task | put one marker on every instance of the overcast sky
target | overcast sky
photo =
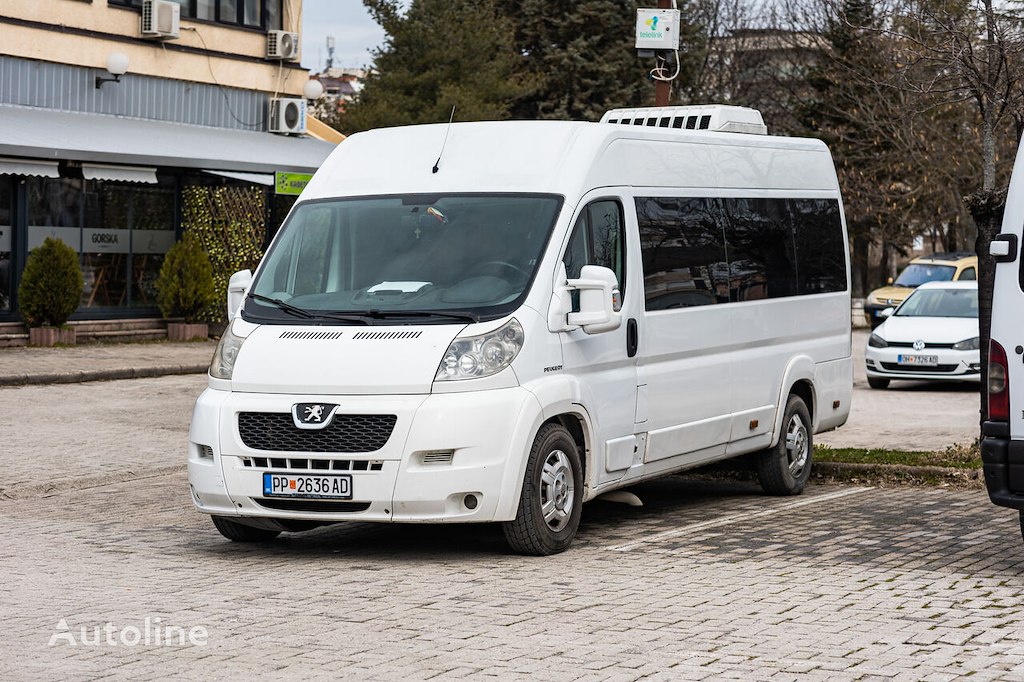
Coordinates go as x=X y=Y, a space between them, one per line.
x=355 y=33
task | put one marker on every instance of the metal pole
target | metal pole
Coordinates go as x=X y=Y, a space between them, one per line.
x=662 y=89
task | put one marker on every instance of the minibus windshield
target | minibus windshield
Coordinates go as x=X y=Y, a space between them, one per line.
x=409 y=259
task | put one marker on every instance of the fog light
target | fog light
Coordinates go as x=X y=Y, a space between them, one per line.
x=974 y=366
x=470 y=501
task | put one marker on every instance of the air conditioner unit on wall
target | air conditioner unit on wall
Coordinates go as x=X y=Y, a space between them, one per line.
x=288 y=115
x=160 y=19
x=282 y=45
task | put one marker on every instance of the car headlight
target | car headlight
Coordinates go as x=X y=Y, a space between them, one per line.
x=968 y=344
x=876 y=341
x=474 y=357
x=872 y=298
x=227 y=352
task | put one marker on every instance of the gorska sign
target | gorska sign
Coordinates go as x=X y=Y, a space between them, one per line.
x=290 y=183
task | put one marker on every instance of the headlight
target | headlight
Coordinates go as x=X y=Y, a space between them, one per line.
x=224 y=357
x=876 y=341
x=968 y=344
x=473 y=357
x=872 y=298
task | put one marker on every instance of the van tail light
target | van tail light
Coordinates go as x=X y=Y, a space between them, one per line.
x=998 y=384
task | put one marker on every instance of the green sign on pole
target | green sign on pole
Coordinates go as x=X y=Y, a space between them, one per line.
x=290 y=183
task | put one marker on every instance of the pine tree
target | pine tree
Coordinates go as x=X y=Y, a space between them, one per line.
x=438 y=54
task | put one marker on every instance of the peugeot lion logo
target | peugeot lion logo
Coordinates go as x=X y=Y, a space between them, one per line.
x=313 y=415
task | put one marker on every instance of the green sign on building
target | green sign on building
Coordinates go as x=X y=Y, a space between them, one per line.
x=290 y=183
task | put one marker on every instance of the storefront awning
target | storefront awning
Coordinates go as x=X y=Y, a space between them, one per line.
x=91 y=171
x=46 y=169
x=254 y=178
x=43 y=134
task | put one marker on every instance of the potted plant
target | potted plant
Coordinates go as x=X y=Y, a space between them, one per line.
x=50 y=291
x=185 y=289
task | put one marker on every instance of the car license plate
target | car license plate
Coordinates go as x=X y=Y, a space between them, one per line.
x=335 y=486
x=918 y=360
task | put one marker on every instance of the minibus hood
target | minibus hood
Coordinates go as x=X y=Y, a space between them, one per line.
x=342 y=360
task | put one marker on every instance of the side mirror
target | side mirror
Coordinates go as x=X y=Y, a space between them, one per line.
x=887 y=313
x=1003 y=248
x=599 y=300
x=238 y=285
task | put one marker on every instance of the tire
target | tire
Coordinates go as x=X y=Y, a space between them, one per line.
x=551 y=501
x=239 y=532
x=785 y=468
x=878 y=383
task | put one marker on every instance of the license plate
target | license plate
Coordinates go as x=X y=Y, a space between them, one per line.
x=918 y=360
x=334 y=486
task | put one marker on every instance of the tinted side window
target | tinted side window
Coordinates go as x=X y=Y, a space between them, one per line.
x=598 y=239
x=820 y=249
x=968 y=274
x=762 y=255
x=683 y=251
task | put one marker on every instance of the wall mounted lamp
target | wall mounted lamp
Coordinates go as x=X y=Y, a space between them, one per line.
x=313 y=89
x=117 y=65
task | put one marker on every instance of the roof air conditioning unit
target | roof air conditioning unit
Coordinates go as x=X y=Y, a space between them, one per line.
x=160 y=19
x=282 y=45
x=288 y=115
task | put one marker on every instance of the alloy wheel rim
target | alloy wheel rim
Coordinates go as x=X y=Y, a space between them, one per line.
x=797 y=446
x=557 y=490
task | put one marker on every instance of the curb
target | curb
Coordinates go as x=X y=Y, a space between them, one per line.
x=101 y=375
x=901 y=471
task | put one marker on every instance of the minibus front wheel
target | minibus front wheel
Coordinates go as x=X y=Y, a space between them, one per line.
x=785 y=468
x=551 y=500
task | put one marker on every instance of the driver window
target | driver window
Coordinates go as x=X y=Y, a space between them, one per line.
x=598 y=239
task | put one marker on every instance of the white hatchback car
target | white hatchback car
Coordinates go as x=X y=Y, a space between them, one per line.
x=933 y=335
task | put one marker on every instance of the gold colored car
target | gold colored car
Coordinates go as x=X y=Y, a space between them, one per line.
x=938 y=267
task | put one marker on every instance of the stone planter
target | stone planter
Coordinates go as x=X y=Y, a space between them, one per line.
x=51 y=336
x=184 y=331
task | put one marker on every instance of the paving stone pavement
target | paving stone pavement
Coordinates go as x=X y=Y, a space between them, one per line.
x=706 y=581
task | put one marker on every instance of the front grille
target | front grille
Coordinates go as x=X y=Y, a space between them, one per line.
x=910 y=344
x=346 y=432
x=304 y=464
x=894 y=367
x=320 y=506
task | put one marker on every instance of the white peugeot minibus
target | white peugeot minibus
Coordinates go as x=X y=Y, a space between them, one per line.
x=1002 y=445
x=499 y=321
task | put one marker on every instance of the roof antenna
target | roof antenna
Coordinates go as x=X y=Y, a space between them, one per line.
x=437 y=164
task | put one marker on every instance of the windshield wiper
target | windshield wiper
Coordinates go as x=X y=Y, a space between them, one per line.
x=309 y=314
x=384 y=314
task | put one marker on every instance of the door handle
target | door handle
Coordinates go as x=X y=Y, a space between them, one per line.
x=632 y=337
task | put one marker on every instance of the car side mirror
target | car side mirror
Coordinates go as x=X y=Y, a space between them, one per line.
x=887 y=312
x=599 y=300
x=238 y=285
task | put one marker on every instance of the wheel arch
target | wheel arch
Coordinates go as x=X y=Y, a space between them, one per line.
x=798 y=380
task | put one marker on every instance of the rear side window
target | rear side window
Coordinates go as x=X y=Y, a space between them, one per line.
x=698 y=251
x=968 y=274
x=683 y=252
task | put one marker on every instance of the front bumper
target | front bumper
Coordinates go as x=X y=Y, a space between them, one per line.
x=1003 y=461
x=443 y=448
x=953 y=365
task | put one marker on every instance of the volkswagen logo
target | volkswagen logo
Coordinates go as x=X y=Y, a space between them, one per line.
x=919 y=345
x=313 y=415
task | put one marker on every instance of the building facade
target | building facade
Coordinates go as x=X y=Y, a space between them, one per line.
x=112 y=162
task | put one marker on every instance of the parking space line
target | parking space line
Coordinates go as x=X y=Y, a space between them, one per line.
x=726 y=520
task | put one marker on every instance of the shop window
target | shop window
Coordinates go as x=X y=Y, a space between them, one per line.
x=6 y=228
x=120 y=230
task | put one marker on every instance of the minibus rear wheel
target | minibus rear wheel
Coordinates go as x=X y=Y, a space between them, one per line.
x=785 y=468
x=239 y=532
x=552 y=497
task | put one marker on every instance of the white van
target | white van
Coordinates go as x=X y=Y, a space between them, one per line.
x=1002 y=445
x=499 y=321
